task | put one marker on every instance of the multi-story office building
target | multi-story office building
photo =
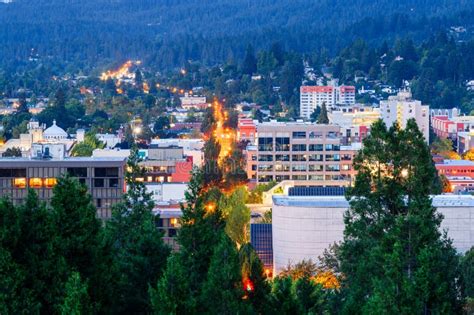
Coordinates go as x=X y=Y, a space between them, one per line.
x=402 y=107
x=302 y=151
x=314 y=96
x=104 y=178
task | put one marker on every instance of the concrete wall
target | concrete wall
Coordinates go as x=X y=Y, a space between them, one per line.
x=304 y=226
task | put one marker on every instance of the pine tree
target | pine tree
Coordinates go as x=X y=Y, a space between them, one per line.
x=252 y=270
x=179 y=289
x=393 y=257
x=223 y=289
x=323 y=115
x=80 y=240
x=138 y=248
x=76 y=300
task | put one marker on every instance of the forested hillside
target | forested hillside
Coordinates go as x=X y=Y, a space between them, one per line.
x=166 y=33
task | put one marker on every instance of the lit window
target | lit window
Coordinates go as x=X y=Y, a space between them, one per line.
x=50 y=182
x=36 y=182
x=19 y=182
x=173 y=222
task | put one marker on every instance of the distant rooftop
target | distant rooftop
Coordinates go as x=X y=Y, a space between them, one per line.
x=341 y=202
x=457 y=163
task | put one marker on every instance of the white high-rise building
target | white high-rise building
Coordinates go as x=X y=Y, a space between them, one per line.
x=402 y=107
x=314 y=96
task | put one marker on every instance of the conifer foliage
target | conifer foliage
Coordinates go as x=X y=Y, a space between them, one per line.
x=393 y=257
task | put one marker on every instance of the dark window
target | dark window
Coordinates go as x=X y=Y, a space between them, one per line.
x=299 y=135
x=113 y=182
x=299 y=147
x=99 y=182
x=299 y=157
x=106 y=172
x=82 y=181
x=282 y=144
x=99 y=203
x=77 y=171
x=19 y=172
x=315 y=147
x=172 y=232
x=265 y=144
x=13 y=172
x=279 y=157
x=265 y=158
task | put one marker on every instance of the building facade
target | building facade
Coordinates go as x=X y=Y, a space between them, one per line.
x=402 y=107
x=456 y=168
x=104 y=177
x=301 y=152
x=312 y=97
x=304 y=226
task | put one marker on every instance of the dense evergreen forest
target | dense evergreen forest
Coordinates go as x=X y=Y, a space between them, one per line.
x=166 y=33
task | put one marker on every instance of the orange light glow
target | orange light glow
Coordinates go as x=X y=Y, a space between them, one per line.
x=19 y=182
x=36 y=182
x=248 y=285
x=225 y=136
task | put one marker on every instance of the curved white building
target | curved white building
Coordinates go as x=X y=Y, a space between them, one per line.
x=304 y=226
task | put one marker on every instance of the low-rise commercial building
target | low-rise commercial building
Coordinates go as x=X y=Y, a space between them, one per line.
x=104 y=177
x=456 y=168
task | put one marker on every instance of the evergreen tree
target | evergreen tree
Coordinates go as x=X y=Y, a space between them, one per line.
x=323 y=115
x=179 y=289
x=252 y=270
x=249 y=66
x=76 y=300
x=315 y=114
x=393 y=257
x=467 y=271
x=22 y=104
x=223 y=289
x=282 y=298
x=212 y=175
x=35 y=271
x=137 y=245
x=81 y=242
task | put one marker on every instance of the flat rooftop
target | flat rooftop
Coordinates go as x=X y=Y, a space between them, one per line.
x=457 y=163
x=341 y=202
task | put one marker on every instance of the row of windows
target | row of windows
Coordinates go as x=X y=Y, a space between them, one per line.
x=304 y=157
x=71 y=171
x=269 y=178
x=36 y=182
x=303 y=168
x=267 y=147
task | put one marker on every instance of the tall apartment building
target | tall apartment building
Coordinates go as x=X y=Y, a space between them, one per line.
x=314 y=96
x=104 y=178
x=302 y=152
x=402 y=107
